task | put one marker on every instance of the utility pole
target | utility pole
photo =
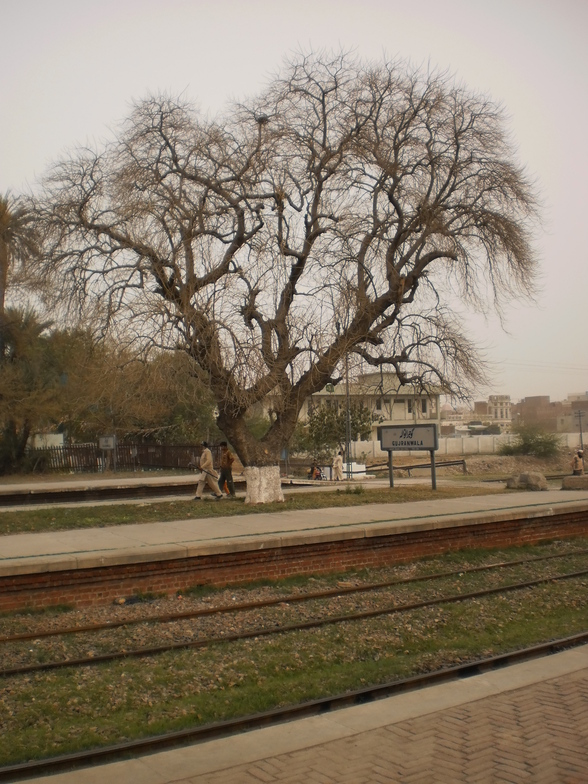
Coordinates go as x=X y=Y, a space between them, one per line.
x=579 y=416
x=347 y=419
x=347 y=407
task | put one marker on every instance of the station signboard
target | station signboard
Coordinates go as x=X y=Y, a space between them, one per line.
x=399 y=438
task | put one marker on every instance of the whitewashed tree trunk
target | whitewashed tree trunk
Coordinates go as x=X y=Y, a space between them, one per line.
x=263 y=484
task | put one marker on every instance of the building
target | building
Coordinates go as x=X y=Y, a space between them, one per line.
x=453 y=419
x=494 y=414
x=389 y=402
x=499 y=411
x=494 y=411
x=567 y=416
x=538 y=411
x=573 y=418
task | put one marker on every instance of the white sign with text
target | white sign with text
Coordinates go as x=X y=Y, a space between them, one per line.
x=396 y=438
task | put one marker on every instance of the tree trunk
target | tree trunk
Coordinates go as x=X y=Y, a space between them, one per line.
x=3 y=273
x=263 y=484
x=260 y=461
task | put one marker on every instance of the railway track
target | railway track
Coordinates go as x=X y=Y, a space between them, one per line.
x=289 y=599
x=355 y=605
x=273 y=625
x=13 y=773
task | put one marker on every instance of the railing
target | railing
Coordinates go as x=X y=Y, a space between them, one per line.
x=408 y=468
x=82 y=458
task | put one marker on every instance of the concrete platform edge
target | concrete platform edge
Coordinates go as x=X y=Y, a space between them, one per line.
x=183 y=547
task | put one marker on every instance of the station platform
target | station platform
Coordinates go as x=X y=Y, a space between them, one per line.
x=29 y=553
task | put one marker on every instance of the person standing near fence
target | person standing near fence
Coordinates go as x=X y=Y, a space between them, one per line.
x=338 y=467
x=226 y=469
x=208 y=474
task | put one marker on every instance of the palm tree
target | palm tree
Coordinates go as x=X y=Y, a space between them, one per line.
x=29 y=382
x=18 y=240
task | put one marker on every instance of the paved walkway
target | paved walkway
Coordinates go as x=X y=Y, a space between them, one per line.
x=525 y=723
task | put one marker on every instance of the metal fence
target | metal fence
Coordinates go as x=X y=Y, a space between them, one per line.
x=82 y=458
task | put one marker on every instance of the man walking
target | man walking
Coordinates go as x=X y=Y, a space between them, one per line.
x=226 y=469
x=208 y=474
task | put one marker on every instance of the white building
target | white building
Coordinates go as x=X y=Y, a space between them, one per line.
x=388 y=401
x=495 y=411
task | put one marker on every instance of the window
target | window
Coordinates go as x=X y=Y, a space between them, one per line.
x=424 y=406
x=409 y=406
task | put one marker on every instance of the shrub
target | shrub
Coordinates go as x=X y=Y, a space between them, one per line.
x=534 y=442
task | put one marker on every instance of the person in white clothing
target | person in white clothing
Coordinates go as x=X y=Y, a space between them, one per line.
x=338 y=467
x=208 y=475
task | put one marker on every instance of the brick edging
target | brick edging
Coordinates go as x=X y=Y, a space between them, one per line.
x=102 y=585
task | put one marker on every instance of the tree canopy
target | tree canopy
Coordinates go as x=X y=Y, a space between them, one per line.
x=64 y=380
x=344 y=210
x=326 y=430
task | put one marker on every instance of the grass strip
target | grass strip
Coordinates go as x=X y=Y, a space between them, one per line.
x=103 y=515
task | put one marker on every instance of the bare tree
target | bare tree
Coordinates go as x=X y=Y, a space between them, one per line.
x=344 y=211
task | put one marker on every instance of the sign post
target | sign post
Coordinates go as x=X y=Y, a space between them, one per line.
x=409 y=438
x=108 y=444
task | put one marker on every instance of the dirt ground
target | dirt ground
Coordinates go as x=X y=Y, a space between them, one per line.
x=497 y=465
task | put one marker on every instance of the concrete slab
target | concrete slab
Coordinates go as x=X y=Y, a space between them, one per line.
x=42 y=563
x=86 y=483
x=575 y=482
x=128 y=772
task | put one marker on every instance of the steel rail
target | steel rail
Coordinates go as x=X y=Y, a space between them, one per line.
x=288 y=599
x=264 y=631
x=223 y=729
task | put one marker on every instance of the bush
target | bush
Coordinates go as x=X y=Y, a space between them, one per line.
x=534 y=442
x=14 y=461
x=325 y=430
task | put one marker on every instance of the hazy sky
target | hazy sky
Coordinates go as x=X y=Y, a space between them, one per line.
x=71 y=69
